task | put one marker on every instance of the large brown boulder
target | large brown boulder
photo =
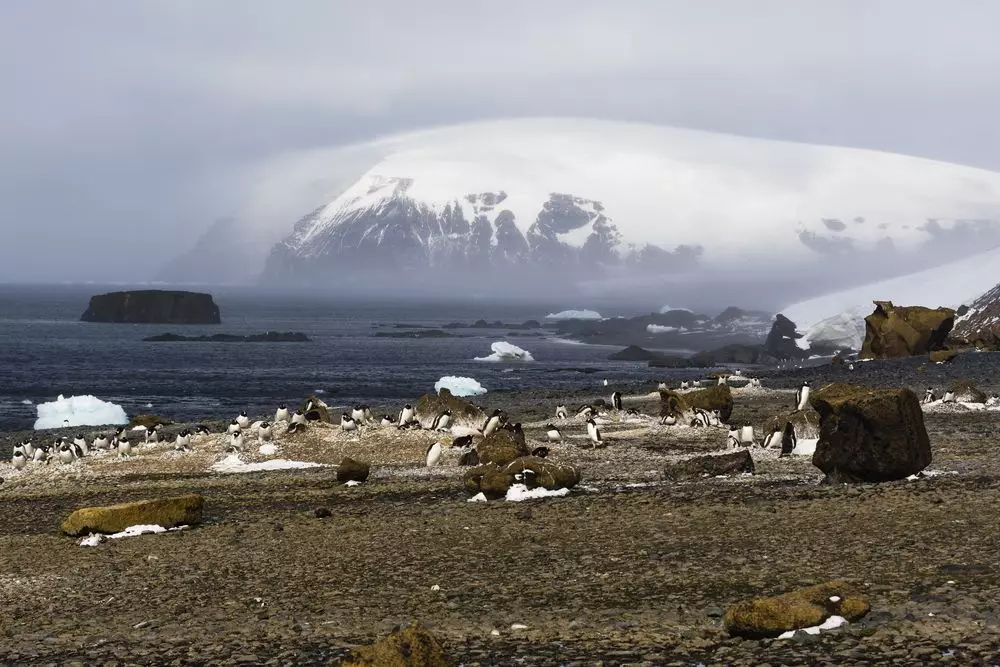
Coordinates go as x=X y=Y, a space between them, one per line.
x=165 y=512
x=501 y=447
x=901 y=331
x=491 y=479
x=869 y=435
x=413 y=646
x=350 y=470
x=547 y=474
x=966 y=392
x=719 y=397
x=802 y=608
x=463 y=413
x=711 y=465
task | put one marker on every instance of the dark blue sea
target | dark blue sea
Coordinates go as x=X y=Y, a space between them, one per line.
x=46 y=351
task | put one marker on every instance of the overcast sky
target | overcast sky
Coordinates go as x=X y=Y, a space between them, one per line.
x=124 y=123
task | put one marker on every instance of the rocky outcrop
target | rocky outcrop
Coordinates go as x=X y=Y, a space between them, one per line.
x=413 y=646
x=802 y=608
x=869 y=435
x=712 y=465
x=165 y=512
x=979 y=324
x=149 y=421
x=901 y=331
x=780 y=342
x=501 y=447
x=494 y=480
x=634 y=353
x=153 y=307
x=315 y=409
x=463 y=413
x=966 y=392
x=718 y=397
x=350 y=470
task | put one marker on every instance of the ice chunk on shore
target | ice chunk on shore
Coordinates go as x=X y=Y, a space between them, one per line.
x=828 y=624
x=78 y=411
x=504 y=351
x=233 y=463
x=460 y=386
x=518 y=492
x=575 y=315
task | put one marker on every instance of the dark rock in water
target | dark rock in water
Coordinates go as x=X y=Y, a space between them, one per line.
x=420 y=333
x=413 y=646
x=634 y=353
x=780 y=342
x=803 y=608
x=869 y=435
x=267 y=337
x=732 y=463
x=902 y=331
x=153 y=307
x=463 y=412
x=350 y=470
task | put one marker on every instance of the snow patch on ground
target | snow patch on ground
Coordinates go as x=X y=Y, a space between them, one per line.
x=233 y=463
x=575 y=315
x=504 y=351
x=828 y=624
x=518 y=492
x=924 y=474
x=132 y=531
x=459 y=385
x=78 y=411
x=268 y=449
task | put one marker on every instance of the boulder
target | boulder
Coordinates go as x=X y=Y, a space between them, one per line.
x=547 y=474
x=802 y=608
x=966 y=392
x=901 y=331
x=165 y=512
x=501 y=447
x=634 y=353
x=869 y=435
x=463 y=413
x=718 y=397
x=413 y=646
x=780 y=342
x=711 y=465
x=673 y=403
x=491 y=479
x=350 y=470
x=153 y=307
x=149 y=421
x=315 y=409
x=942 y=356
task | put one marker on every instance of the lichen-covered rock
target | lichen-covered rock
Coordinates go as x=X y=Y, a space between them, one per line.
x=350 y=470
x=711 y=465
x=547 y=474
x=900 y=331
x=869 y=435
x=315 y=409
x=165 y=512
x=413 y=646
x=501 y=447
x=153 y=307
x=966 y=392
x=719 y=397
x=801 y=608
x=463 y=413
x=942 y=356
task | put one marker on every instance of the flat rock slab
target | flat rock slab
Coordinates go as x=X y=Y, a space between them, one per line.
x=166 y=512
x=797 y=609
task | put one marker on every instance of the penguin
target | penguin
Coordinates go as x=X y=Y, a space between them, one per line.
x=236 y=442
x=469 y=458
x=462 y=441
x=242 y=419
x=993 y=400
x=540 y=452
x=722 y=380
x=29 y=449
x=632 y=412
x=442 y=422
x=124 y=447
x=733 y=439
x=347 y=424
x=715 y=418
x=434 y=454
x=406 y=415
x=685 y=385
x=662 y=387
x=81 y=442
x=668 y=420
x=493 y=422
x=605 y=382
x=773 y=439
x=182 y=442
x=552 y=433
x=282 y=414
x=949 y=397
x=802 y=397
x=701 y=418
x=594 y=433
x=746 y=435
x=298 y=417
x=40 y=454
x=366 y=415
x=234 y=427
x=264 y=432
x=585 y=411
x=929 y=396
x=386 y=420
x=616 y=400
x=296 y=427
x=65 y=453
x=358 y=415
x=561 y=412
x=201 y=429
x=850 y=367
x=788 y=439
x=19 y=460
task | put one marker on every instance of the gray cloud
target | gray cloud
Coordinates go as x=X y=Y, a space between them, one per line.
x=126 y=126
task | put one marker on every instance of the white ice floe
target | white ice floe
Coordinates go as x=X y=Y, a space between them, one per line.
x=26 y=402
x=828 y=624
x=79 y=411
x=268 y=449
x=575 y=315
x=460 y=386
x=233 y=463
x=132 y=531
x=518 y=492
x=504 y=351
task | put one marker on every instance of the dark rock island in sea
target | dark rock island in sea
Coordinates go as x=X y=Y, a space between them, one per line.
x=153 y=307
x=267 y=337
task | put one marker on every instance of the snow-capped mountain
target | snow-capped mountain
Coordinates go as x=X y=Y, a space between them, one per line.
x=620 y=207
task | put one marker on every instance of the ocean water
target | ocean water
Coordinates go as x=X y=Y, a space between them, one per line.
x=46 y=351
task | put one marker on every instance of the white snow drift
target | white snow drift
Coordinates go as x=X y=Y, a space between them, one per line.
x=132 y=531
x=78 y=411
x=233 y=463
x=459 y=386
x=504 y=351
x=575 y=315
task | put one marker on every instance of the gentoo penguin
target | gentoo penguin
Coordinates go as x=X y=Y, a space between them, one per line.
x=243 y=419
x=434 y=454
x=124 y=447
x=668 y=420
x=264 y=432
x=561 y=412
x=200 y=430
x=746 y=435
x=298 y=417
x=929 y=396
x=406 y=415
x=358 y=415
x=605 y=382
x=701 y=418
x=802 y=397
x=65 y=453
x=386 y=420
x=40 y=454
x=469 y=458
x=366 y=415
x=540 y=452
x=234 y=427
x=81 y=442
x=492 y=422
x=29 y=449
x=462 y=441
x=296 y=427
x=993 y=400
x=616 y=400
x=236 y=442
x=722 y=380
x=19 y=460
x=552 y=433
x=182 y=442
x=685 y=385
x=348 y=424
x=733 y=440
x=949 y=397
x=585 y=411
x=788 y=439
x=442 y=422
x=593 y=433
x=662 y=387
x=282 y=414
x=773 y=439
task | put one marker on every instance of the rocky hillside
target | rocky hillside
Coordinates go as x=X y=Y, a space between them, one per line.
x=980 y=324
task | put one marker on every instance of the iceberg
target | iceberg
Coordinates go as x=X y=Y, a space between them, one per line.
x=504 y=351
x=575 y=315
x=459 y=386
x=78 y=411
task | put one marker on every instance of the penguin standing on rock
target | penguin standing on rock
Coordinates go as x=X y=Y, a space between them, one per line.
x=236 y=442
x=442 y=422
x=386 y=420
x=788 y=439
x=80 y=442
x=124 y=447
x=405 y=415
x=552 y=433
x=746 y=435
x=493 y=422
x=594 y=433
x=298 y=417
x=264 y=432
x=733 y=440
x=802 y=397
x=462 y=441
x=234 y=427
x=434 y=454
x=28 y=448
x=182 y=443
x=949 y=397
x=65 y=452
x=153 y=435
x=561 y=412
x=585 y=411
x=358 y=415
x=282 y=414
x=19 y=460
x=347 y=423
x=668 y=420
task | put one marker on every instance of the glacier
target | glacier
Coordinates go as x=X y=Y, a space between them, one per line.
x=78 y=411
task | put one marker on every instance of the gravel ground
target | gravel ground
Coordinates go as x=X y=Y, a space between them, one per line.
x=626 y=569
